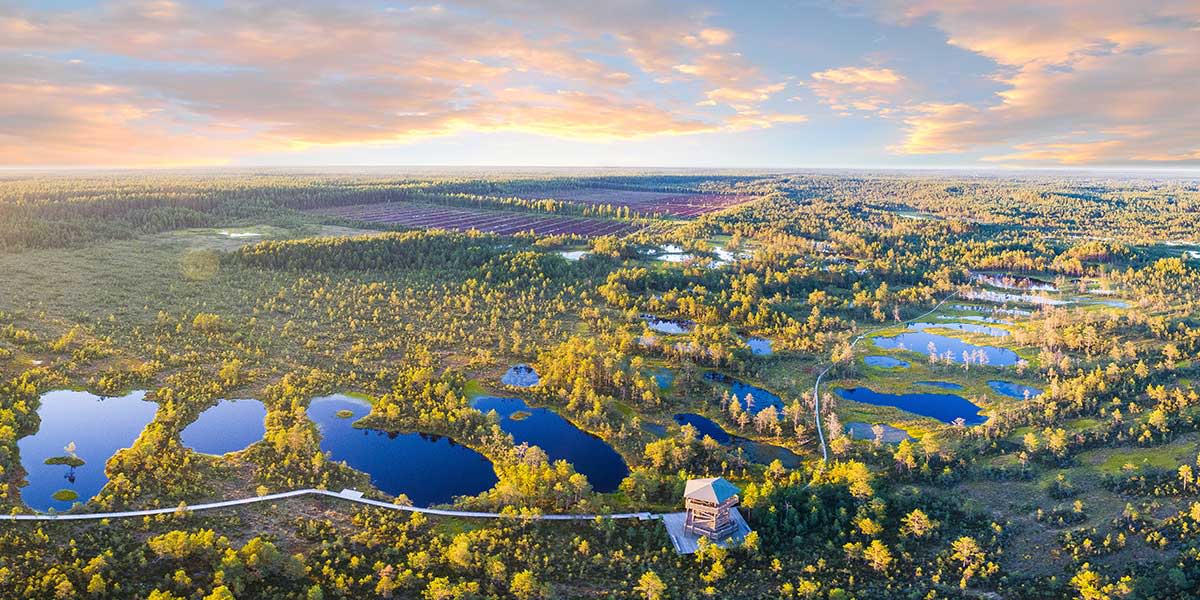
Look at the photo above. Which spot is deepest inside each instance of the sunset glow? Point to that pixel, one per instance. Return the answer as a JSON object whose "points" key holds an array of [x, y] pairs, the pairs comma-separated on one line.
{"points": [[771, 84]]}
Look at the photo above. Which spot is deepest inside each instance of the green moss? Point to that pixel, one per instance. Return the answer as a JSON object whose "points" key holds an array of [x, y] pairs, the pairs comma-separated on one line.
{"points": [[474, 388], [360, 396], [1163, 458], [624, 409], [520, 415], [65, 495], [1082, 424], [344, 413]]}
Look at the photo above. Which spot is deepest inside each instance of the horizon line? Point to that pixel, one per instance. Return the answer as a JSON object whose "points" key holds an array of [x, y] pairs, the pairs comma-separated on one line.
{"points": [[1193, 171]]}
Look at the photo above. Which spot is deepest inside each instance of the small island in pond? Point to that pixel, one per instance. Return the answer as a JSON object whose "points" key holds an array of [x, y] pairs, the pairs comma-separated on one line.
{"points": [[70, 461], [65, 495]]}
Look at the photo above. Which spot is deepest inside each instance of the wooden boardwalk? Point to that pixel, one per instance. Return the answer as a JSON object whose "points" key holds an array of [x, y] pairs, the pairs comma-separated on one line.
{"points": [[348, 495]]}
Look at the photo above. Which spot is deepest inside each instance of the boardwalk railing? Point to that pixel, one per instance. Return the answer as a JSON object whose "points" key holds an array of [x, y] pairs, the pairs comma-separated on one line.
{"points": [[348, 495]]}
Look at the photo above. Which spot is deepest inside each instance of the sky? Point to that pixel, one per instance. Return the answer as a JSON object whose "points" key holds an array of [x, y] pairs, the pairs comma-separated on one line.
{"points": [[763, 84]]}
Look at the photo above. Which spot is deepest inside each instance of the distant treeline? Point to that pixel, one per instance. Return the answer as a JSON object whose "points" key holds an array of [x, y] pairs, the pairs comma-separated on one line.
{"points": [[392, 250], [54, 212]]}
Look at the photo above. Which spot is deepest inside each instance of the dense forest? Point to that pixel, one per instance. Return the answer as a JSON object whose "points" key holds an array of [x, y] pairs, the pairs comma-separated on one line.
{"points": [[1008, 404]]}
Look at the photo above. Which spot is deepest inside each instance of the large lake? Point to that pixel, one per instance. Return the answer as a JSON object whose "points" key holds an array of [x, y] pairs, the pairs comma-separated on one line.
{"points": [[429, 469], [559, 438], [98, 426]]}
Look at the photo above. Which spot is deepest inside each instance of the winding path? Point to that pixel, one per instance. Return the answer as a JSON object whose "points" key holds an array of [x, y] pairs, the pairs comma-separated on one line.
{"points": [[853, 343], [349, 495]]}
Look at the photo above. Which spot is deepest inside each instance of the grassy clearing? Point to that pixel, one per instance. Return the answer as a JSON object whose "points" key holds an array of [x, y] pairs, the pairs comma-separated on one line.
{"points": [[1169, 456]]}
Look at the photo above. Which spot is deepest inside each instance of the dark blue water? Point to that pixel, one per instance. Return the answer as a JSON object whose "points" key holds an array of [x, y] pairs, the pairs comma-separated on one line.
{"points": [[655, 429], [945, 385], [943, 407], [865, 431], [968, 327], [919, 341], [760, 398], [705, 426], [229, 426], [887, 362], [560, 439], [429, 469], [757, 452], [664, 377], [99, 427], [759, 346], [1014, 390]]}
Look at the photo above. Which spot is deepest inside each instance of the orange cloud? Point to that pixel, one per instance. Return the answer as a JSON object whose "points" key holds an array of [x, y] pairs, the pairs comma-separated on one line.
{"points": [[937, 128], [1103, 82], [858, 89], [155, 81], [97, 124], [859, 76]]}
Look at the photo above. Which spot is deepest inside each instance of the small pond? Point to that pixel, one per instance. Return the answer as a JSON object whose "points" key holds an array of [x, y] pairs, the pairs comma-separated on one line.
{"points": [[675, 258], [925, 342], [559, 438], [98, 427], [967, 327], [757, 452], [1014, 390], [866, 431], [656, 429], [668, 326], [672, 253], [943, 407], [759, 397], [945, 385], [979, 318], [726, 256], [1003, 297], [664, 377], [887, 362], [229, 426], [573, 255], [1018, 312], [430, 469], [1014, 282], [759, 346], [520, 376]]}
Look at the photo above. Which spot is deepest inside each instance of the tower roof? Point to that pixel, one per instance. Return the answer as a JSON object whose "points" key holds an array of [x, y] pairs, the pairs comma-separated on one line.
{"points": [[712, 489]]}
